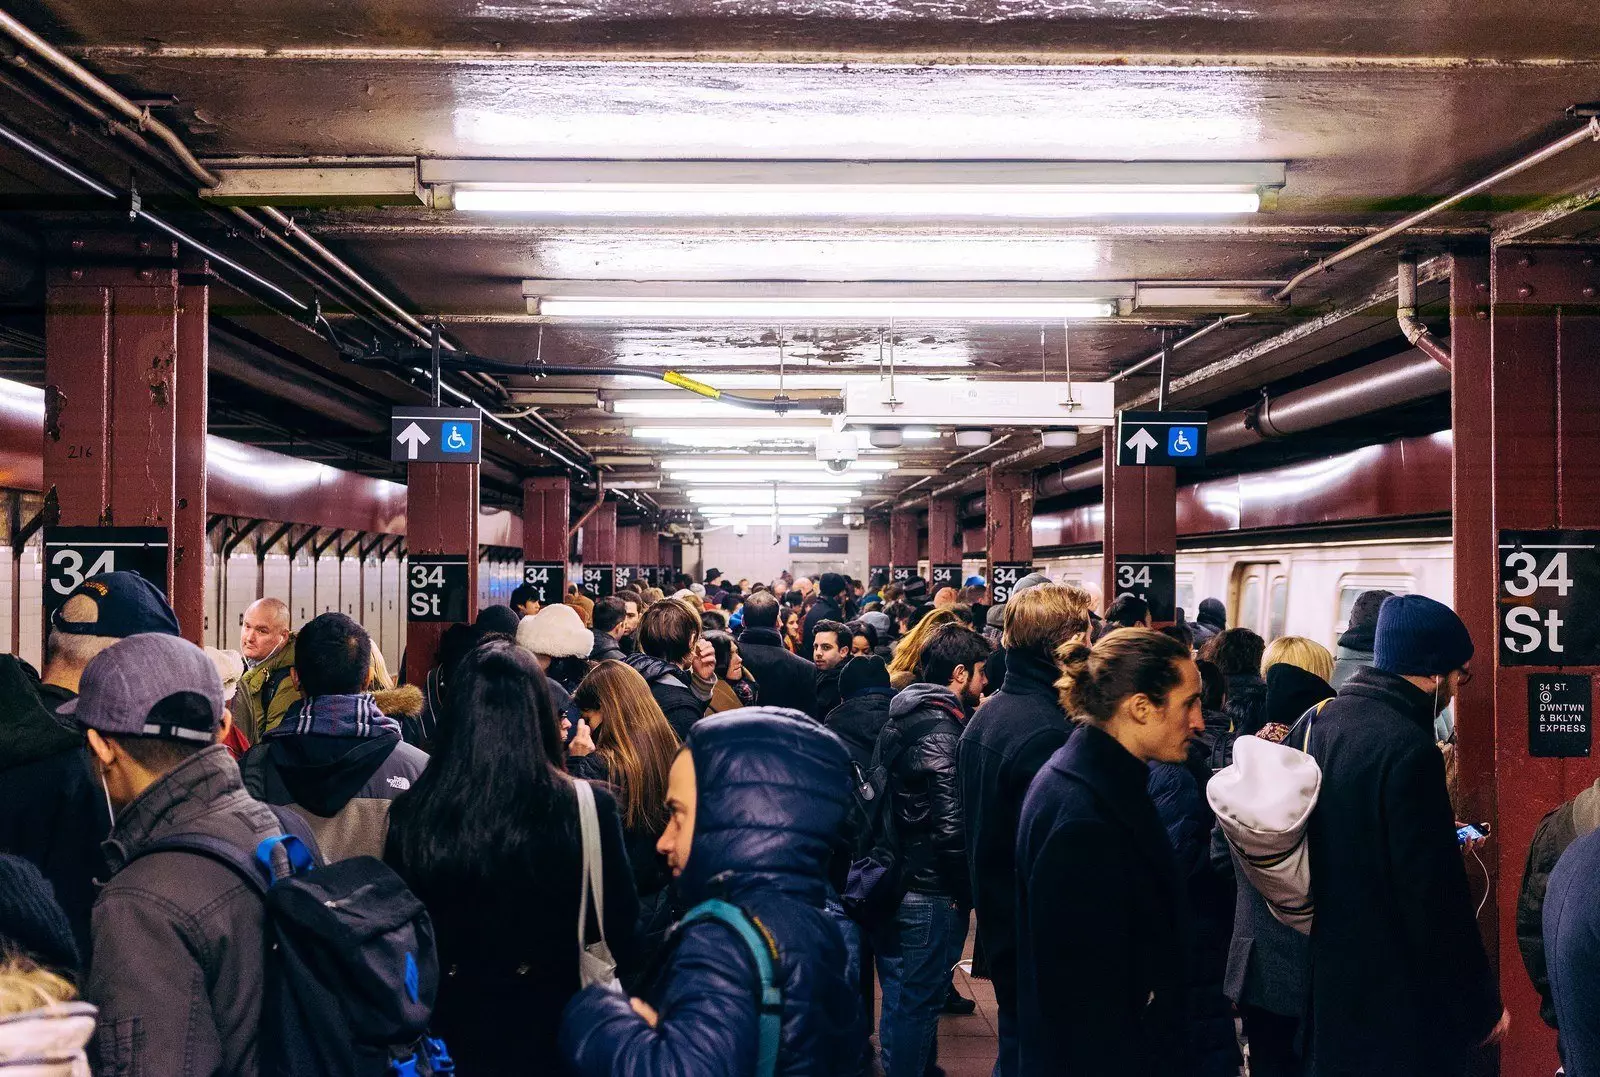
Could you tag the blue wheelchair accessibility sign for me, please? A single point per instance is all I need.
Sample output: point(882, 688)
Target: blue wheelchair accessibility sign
point(1183, 441)
point(456, 437)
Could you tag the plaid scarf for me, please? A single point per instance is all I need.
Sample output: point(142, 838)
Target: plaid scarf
point(336, 716)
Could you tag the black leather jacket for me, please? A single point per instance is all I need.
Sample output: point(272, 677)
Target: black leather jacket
point(927, 793)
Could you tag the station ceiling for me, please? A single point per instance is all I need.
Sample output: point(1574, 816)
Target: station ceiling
point(1375, 110)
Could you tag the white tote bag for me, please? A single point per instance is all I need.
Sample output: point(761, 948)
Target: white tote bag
point(595, 963)
point(1263, 801)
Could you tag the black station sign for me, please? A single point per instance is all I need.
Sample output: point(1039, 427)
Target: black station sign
point(623, 577)
point(73, 554)
point(547, 578)
point(438, 587)
point(878, 574)
point(1161, 438)
point(1004, 576)
point(1150, 576)
point(601, 579)
point(902, 574)
point(1549, 591)
point(434, 435)
point(1559, 706)
point(945, 576)
point(801, 542)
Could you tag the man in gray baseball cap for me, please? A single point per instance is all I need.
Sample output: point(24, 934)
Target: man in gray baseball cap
point(175, 934)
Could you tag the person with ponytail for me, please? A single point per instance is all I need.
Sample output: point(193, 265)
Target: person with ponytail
point(1100, 907)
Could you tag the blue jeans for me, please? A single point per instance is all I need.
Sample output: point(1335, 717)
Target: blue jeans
point(915, 952)
point(852, 951)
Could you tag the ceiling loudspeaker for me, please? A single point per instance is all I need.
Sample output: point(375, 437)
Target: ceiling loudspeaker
point(1058, 439)
point(886, 437)
point(973, 439)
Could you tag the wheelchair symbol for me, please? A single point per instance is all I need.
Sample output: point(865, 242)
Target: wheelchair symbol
point(1183, 441)
point(457, 437)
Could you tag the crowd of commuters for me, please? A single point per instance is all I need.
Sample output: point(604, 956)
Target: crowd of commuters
point(703, 832)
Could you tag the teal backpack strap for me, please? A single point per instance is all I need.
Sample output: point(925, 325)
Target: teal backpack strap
point(770, 1007)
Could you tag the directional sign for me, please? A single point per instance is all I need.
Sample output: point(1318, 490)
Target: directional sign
point(601, 579)
point(73, 554)
point(945, 576)
point(435, 435)
point(1161, 438)
point(547, 578)
point(1004, 577)
point(800, 542)
point(437, 588)
point(1549, 590)
point(1559, 715)
point(1150, 576)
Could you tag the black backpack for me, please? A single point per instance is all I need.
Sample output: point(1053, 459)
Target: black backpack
point(351, 970)
point(877, 875)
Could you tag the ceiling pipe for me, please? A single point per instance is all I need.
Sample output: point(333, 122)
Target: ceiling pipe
point(599, 499)
point(1010, 460)
point(1406, 311)
point(951, 466)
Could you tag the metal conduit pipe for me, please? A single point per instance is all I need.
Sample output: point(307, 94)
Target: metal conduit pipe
point(599, 499)
point(1400, 379)
point(951, 466)
point(1010, 460)
point(1406, 311)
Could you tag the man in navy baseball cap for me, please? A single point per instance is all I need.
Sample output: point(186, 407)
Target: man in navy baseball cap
point(115, 604)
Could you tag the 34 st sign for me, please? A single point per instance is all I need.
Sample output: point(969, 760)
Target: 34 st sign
point(1549, 588)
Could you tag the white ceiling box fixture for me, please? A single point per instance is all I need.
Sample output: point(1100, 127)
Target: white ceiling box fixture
point(937, 402)
point(1004, 190)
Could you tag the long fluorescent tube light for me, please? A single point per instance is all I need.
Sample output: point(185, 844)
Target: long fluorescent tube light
point(783, 521)
point(839, 308)
point(893, 189)
point(764, 463)
point(733, 478)
point(688, 408)
point(756, 495)
point(700, 437)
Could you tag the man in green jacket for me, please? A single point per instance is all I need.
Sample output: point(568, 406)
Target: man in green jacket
point(266, 690)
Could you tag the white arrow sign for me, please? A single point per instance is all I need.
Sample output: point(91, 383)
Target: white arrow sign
point(412, 436)
point(1140, 443)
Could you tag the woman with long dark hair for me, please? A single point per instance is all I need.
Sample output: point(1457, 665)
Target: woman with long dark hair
point(488, 838)
point(794, 630)
point(634, 747)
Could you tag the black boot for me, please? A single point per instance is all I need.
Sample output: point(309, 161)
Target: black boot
point(957, 1003)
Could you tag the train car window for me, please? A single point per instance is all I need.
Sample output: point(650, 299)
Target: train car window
point(1279, 603)
point(1186, 600)
point(1255, 596)
point(1352, 586)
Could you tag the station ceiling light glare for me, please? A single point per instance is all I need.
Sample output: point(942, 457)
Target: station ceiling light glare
point(837, 308)
point(797, 464)
point(759, 518)
point(1015, 190)
point(701, 437)
point(732, 478)
point(689, 408)
point(919, 433)
point(763, 495)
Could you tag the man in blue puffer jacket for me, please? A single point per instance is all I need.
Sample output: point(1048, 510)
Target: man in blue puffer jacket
point(760, 796)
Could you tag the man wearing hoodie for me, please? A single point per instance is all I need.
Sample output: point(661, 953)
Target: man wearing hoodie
point(51, 810)
point(918, 747)
point(786, 679)
point(757, 798)
point(829, 606)
point(336, 758)
point(679, 666)
point(1356, 641)
point(1211, 619)
point(1008, 740)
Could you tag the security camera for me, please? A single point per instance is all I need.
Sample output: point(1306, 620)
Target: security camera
point(837, 451)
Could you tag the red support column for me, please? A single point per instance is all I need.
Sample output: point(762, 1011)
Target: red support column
point(903, 528)
point(1141, 505)
point(878, 560)
point(627, 554)
point(944, 542)
point(441, 518)
point(546, 515)
point(121, 403)
point(600, 549)
point(1545, 431)
point(1008, 526)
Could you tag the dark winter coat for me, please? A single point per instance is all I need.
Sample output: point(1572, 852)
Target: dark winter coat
point(606, 647)
point(1572, 950)
point(823, 609)
point(925, 791)
point(672, 688)
point(1008, 740)
point(786, 679)
point(178, 970)
point(1555, 833)
point(1210, 620)
point(1246, 705)
point(1346, 661)
point(773, 793)
point(652, 879)
point(508, 944)
point(1178, 793)
point(858, 720)
point(1400, 981)
point(1100, 915)
point(52, 811)
point(826, 691)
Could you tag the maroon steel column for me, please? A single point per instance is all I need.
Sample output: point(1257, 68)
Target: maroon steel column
point(903, 528)
point(600, 542)
point(1545, 425)
point(546, 515)
point(441, 517)
point(113, 400)
point(1008, 526)
point(878, 546)
point(628, 552)
point(1141, 506)
point(944, 541)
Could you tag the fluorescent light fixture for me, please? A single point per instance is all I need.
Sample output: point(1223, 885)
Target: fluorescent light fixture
point(819, 477)
point(764, 463)
point(706, 365)
point(919, 433)
point(763, 495)
point(839, 308)
point(783, 521)
point(1208, 295)
point(1014, 190)
point(702, 437)
point(690, 408)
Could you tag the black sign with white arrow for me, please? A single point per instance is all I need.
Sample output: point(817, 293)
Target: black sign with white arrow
point(435, 435)
point(1161, 438)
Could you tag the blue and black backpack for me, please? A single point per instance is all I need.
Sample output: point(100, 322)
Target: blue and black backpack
point(351, 970)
